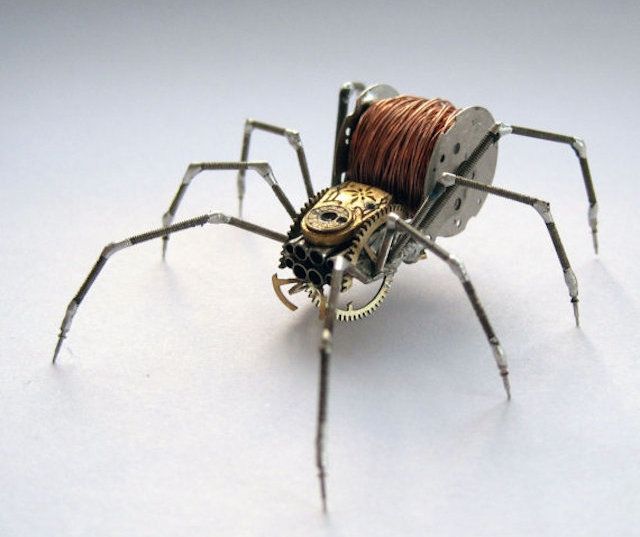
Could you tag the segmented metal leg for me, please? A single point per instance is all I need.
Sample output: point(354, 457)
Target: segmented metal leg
point(433, 204)
point(294, 139)
point(262, 168)
point(543, 208)
point(459, 270)
point(112, 248)
point(339, 267)
point(580, 149)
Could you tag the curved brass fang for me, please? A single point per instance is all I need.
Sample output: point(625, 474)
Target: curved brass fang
point(277, 287)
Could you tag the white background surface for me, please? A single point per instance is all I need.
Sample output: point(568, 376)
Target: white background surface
point(184, 399)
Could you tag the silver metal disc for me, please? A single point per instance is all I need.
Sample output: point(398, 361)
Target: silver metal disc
point(451, 149)
point(375, 93)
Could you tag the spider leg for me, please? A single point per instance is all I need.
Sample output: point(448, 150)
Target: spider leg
point(339, 267)
point(112, 248)
point(580, 148)
point(430, 208)
point(262, 168)
point(543, 208)
point(458, 268)
point(294, 139)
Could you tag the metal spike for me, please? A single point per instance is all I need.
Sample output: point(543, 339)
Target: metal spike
point(58, 347)
point(576, 312)
point(64, 327)
point(594, 235)
point(507, 384)
point(165, 243)
point(323, 492)
point(501, 362)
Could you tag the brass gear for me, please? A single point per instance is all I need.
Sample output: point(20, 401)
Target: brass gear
point(359, 247)
point(360, 242)
point(351, 313)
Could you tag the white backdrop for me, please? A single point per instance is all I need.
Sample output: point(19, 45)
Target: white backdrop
point(184, 399)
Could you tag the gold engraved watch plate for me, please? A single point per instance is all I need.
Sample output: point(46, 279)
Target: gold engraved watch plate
point(340, 212)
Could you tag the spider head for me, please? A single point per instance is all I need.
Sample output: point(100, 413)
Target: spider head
point(329, 226)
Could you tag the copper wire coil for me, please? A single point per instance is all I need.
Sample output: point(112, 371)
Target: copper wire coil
point(393, 142)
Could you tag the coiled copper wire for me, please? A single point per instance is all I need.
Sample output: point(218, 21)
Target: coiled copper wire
point(393, 142)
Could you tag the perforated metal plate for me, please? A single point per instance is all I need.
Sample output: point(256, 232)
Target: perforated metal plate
point(451, 149)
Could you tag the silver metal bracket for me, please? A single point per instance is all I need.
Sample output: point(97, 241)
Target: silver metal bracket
point(571, 281)
point(68, 317)
point(114, 247)
point(294, 138)
point(264, 169)
point(447, 179)
point(580, 147)
point(501, 129)
point(192, 171)
point(219, 218)
point(544, 210)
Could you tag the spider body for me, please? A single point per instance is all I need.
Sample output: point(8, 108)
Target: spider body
point(386, 206)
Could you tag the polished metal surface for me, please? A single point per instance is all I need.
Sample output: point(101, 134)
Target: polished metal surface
point(342, 211)
point(451, 150)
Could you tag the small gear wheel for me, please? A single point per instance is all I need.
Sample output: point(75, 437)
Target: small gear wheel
point(362, 253)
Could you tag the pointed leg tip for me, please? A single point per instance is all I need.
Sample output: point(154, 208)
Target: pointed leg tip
point(323, 491)
point(165, 243)
point(576, 312)
point(57, 350)
point(505, 382)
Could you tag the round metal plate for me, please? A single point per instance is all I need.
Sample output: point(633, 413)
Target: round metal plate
point(451, 149)
point(375, 93)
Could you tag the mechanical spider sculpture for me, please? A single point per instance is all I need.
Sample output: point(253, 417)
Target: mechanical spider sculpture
point(381, 210)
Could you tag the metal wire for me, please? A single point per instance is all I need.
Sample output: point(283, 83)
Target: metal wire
point(393, 142)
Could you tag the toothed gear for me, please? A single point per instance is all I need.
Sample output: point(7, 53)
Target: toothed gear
point(351, 313)
point(352, 255)
point(366, 231)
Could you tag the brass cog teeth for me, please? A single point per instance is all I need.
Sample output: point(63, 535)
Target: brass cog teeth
point(352, 255)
